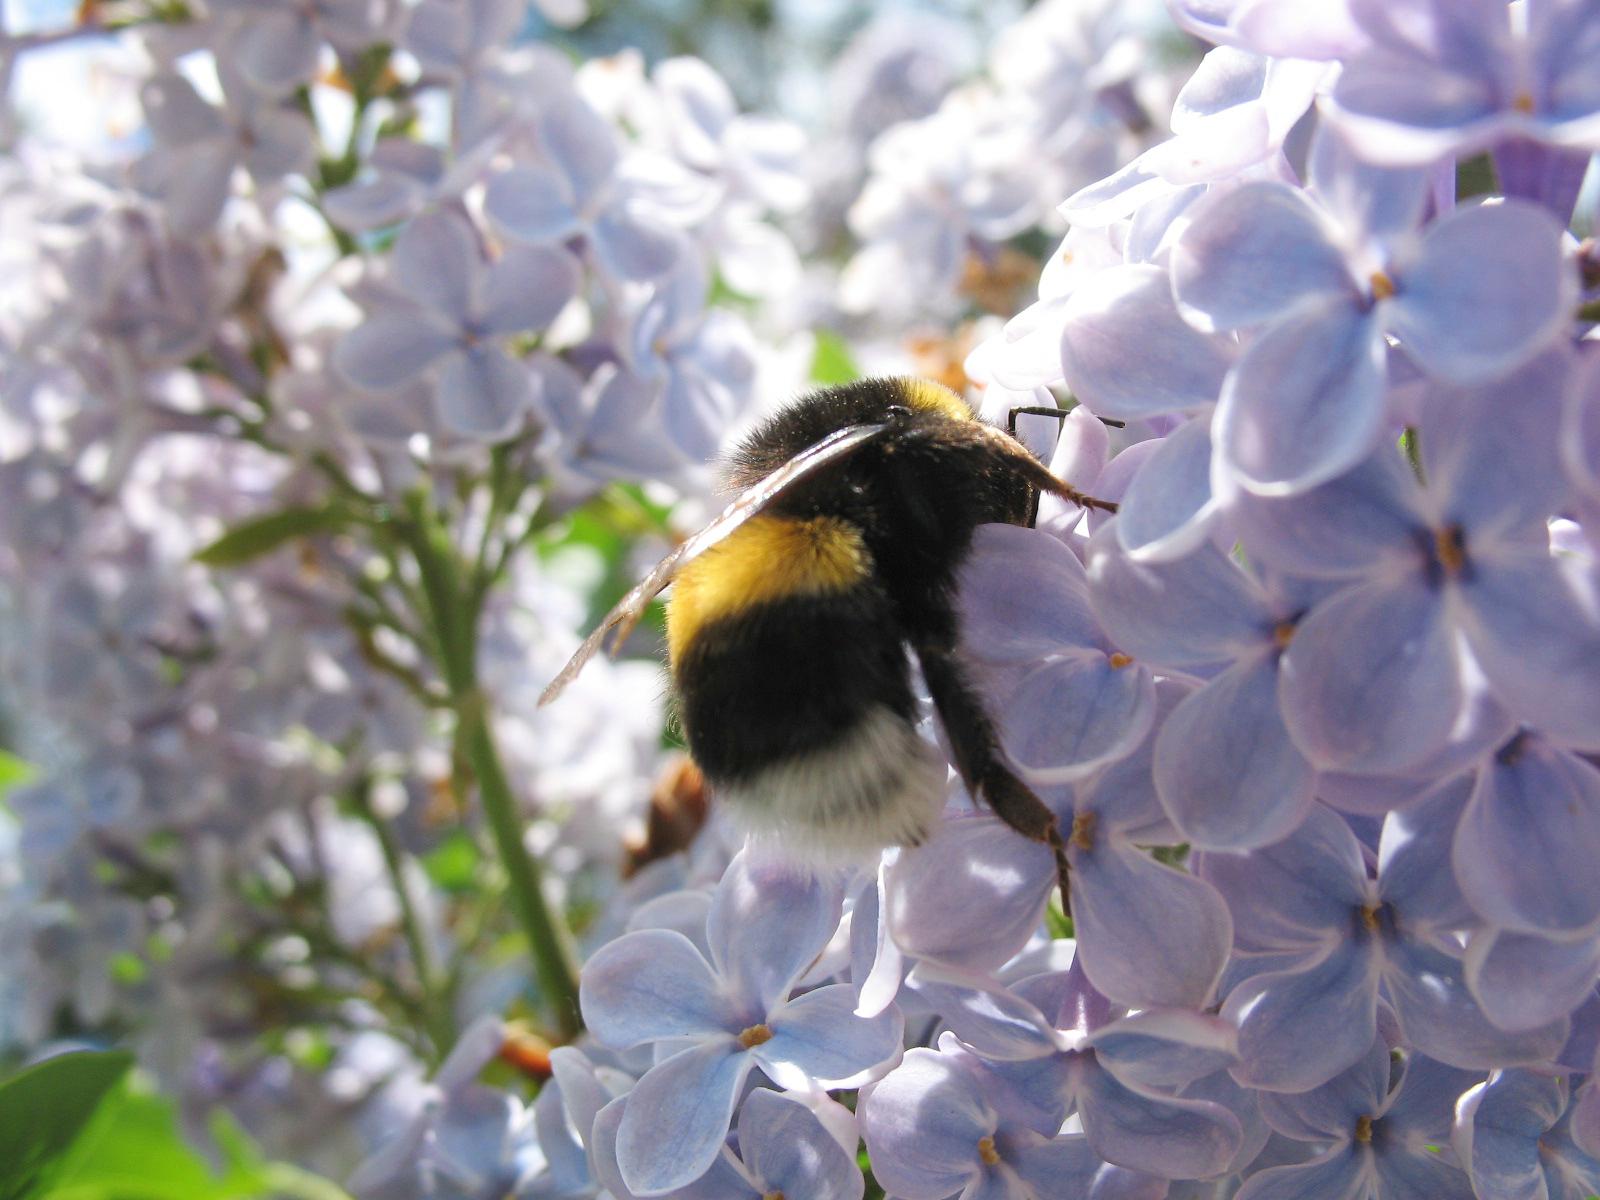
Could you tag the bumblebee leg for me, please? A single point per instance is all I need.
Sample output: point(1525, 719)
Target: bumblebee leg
point(979, 762)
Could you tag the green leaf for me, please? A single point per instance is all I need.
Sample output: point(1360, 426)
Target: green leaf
point(44, 1109)
point(1475, 176)
point(453, 863)
point(133, 1152)
point(1057, 922)
point(832, 361)
point(260, 535)
point(132, 1149)
point(14, 772)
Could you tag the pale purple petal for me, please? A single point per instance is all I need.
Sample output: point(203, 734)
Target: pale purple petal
point(1522, 981)
point(1498, 1129)
point(532, 203)
point(483, 393)
point(1226, 769)
point(1253, 253)
point(1424, 1102)
point(1489, 289)
point(278, 143)
point(995, 1022)
point(1199, 610)
point(1287, 895)
point(582, 144)
point(1148, 934)
point(1352, 525)
point(724, 1181)
point(277, 50)
point(1338, 1175)
point(1405, 1174)
point(1300, 1028)
point(786, 1148)
point(1378, 201)
point(1161, 1135)
point(1306, 402)
point(1166, 1048)
point(1550, 176)
point(176, 113)
point(696, 410)
point(391, 348)
point(1067, 1166)
point(769, 920)
point(678, 1115)
point(372, 204)
point(1496, 466)
point(1169, 510)
point(1527, 846)
point(1177, 368)
point(1004, 621)
point(192, 182)
point(631, 244)
point(1075, 713)
point(526, 289)
point(970, 896)
point(1534, 626)
point(437, 263)
point(1329, 1111)
point(1585, 1125)
point(921, 1124)
point(1414, 874)
point(653, 984)
point(1442, 1020)
point(1435, 81)
point(1372, 678)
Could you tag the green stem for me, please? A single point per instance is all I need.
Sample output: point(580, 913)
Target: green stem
point(455, 609)
point(441, 1028)
point(553, 958)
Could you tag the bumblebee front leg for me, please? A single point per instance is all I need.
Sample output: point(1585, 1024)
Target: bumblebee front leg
point(979, 761)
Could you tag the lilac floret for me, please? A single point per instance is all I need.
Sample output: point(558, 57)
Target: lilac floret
point(1374, 1141)
point(1323, 276)
point(726, 1017)
point(1515, 1135)
point(940, 1125)
point(1323, 939)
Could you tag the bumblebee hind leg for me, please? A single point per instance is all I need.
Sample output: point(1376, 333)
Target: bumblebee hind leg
point(979, 762)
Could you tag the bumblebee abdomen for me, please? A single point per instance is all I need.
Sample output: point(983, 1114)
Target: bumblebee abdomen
point(768, 559)
point(785, 676)
point(794, 688)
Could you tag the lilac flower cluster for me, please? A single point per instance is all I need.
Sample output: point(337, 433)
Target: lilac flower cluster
point(1316, 709)
point(315, 403)
point(237, 348)
point(1066, 95)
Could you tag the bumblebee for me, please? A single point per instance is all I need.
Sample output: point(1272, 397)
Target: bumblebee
point(795, 614)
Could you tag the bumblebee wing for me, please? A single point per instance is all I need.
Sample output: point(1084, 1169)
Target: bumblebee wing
point(619, 622)
point(1035, 472)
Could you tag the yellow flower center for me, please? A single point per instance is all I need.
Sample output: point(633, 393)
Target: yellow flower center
point(756, 1035)
point(1450, 548)
point(987, 1152)
point(1083, 831)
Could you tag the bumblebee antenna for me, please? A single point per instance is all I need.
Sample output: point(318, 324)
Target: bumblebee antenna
point(1060, 414)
